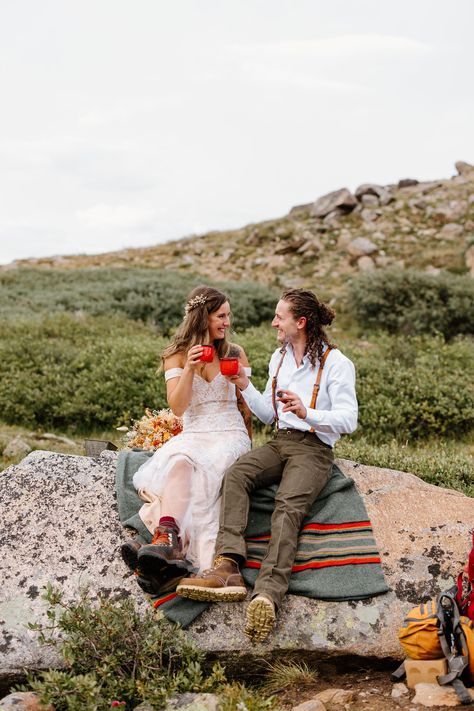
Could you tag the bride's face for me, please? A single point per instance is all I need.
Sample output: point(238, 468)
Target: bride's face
point(219, 322)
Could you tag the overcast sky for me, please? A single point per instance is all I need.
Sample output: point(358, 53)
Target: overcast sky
point(131, 123)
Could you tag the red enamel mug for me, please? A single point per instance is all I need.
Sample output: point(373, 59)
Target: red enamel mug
point(207, 355)
point(229, 366)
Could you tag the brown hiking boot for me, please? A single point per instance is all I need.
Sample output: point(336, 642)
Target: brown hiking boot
point(223, 582)
point(164, 550)
point(260, 618)
point(129, 551)
point(165, 582)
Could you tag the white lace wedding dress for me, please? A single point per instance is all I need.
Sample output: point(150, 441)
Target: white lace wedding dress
point(213, 437)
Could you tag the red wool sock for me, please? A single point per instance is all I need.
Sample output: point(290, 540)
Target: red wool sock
point(169, 522)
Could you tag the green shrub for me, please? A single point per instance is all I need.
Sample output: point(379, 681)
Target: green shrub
point(448, 464)
point(238, 697)
point(91, 373)
point(414, 388)
point(66, 372)
point(113, 652)
point(412, 302)
point(147, 295)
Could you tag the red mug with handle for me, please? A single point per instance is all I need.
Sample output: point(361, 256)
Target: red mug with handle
point(207, 355)
point(229, 366)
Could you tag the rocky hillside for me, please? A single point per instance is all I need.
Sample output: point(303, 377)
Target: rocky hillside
point(426, 225)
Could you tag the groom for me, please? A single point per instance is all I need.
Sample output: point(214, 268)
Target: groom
point(310, 396)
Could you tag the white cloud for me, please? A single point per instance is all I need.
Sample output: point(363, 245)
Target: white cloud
point(121, 217)
point(339, 45)
point(266, 74)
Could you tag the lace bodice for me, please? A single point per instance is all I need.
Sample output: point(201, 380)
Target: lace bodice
point(213, 407)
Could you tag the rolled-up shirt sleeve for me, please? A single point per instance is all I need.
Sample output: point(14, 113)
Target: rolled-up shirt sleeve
point(342, 417)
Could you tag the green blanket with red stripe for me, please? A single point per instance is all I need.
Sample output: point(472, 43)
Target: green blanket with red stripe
point(337, 557)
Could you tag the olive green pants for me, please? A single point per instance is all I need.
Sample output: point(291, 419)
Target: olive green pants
point(301, 464)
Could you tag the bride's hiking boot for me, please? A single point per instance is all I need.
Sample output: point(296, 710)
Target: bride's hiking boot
point(161, 584)
point(129, 551)
point(223, 583)
point(164, 551)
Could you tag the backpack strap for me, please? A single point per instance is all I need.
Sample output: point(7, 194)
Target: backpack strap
point(453, 643)
point(399, 673)
point(463, 694)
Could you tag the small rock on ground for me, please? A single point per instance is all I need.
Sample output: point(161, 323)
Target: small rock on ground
point(23, 701)
point(399, 690)
point(311, 705)
point(193, 702)
point(435, 695)
point(335, 697)
point(17, 447)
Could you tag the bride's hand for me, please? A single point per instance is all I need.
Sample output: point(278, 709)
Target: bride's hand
point(241, 379)
point(193, 358)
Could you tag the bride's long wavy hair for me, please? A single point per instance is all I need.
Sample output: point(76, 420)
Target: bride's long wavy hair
point(194, 328)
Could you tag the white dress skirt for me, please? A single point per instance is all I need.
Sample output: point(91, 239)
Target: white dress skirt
point(213, 437)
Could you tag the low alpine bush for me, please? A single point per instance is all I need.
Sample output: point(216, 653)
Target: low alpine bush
point(407, 301)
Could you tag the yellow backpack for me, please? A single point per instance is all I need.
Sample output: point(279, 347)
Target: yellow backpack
point(419, 633)
point(436, 629)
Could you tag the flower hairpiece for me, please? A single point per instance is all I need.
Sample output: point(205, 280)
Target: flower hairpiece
point(198, 300)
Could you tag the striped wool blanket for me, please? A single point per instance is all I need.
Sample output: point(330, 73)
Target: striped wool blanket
point(337, 557)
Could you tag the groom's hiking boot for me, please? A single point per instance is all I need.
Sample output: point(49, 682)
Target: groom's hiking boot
point(164, 551)
point(260, 618)
point(129, 551)
point(223, 582)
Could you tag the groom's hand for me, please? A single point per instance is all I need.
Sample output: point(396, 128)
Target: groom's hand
point(292, 403)
point(241, 379)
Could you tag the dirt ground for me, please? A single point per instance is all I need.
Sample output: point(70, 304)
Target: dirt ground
point(372, 690)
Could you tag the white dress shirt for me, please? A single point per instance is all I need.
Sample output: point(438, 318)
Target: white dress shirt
point(336, 406)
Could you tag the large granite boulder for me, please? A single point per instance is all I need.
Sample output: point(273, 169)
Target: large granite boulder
point(60, 525)
point(342, 200)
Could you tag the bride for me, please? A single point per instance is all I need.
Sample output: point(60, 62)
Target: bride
point(180, 483)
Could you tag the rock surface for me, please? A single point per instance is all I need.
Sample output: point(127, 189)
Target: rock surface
point(310, 705)
point(338, 199)
point(335, 697)
point(361, 247)
point(193, 702)
point(23, 701)
point(61, 526)
point(469, 258)
point(17, 447)
point(463, 167)
point(435, 695)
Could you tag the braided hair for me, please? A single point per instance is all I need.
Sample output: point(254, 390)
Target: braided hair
point(317, 314)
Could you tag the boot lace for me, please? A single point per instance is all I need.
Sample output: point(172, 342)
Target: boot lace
point(163, 537)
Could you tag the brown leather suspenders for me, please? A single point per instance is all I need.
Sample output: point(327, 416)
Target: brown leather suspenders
point(315, 387)
point(274, 385)
point(318, 381)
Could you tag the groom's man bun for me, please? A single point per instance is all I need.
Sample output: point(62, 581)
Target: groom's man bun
point(304, 303)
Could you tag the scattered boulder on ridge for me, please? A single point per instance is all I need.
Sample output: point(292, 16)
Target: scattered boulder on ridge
point(464, 168)
point(361, 247)
point(341, 200)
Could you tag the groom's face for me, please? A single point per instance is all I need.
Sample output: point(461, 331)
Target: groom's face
point(288, 329)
